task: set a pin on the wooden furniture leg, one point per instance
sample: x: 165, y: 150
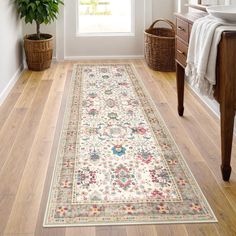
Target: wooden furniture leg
x: 227, y: 105
x: 180, y: 88
x: 227, y: 127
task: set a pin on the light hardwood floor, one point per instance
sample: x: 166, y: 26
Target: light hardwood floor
x: 30, y: 121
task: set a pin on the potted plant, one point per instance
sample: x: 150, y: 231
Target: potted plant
x: 39, y: 46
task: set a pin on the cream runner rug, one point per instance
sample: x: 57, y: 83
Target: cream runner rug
x: 116, y: 161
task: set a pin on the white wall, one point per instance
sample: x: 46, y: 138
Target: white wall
x: 10, y: 47
x: 160, y: 9
x: 179, y: 5
x: 163, y: 9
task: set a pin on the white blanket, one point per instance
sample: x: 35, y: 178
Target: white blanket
x: 202, y: 52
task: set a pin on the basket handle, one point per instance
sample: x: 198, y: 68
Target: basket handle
x: 163, y: 20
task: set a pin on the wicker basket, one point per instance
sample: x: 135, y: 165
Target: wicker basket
x: 38, y: 52
x: 160, y: 47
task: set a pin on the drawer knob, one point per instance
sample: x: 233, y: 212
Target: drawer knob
x: 181, y: 52
x: 181, y: 28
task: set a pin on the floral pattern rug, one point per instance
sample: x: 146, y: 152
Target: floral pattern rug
x: 116, y: 161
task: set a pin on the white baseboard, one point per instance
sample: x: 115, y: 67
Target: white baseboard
x: 118, y: 57
x: 211, y: 104
x: 11, y: 84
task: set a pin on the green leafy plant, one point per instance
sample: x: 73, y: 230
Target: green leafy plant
x: 40, y: 11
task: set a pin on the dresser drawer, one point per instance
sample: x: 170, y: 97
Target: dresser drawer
x: 182, y: 29
x: 181, y: 52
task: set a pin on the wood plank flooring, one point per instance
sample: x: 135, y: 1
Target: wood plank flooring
x: 30, y: 122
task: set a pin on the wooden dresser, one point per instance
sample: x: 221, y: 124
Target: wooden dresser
x: 225, y: 89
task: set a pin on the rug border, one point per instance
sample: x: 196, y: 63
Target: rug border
x: 150, y: 99
x: 58, y: 147
x: 129, y: 224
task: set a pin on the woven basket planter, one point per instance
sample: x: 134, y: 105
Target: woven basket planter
x: 38, y: 52
x: 160, y: 47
